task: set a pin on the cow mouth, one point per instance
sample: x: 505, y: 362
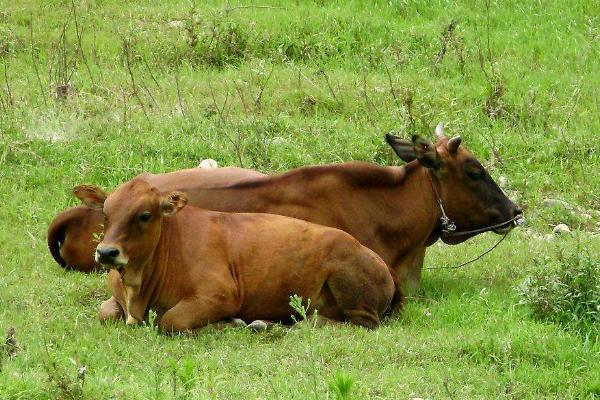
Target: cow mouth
x: 504, y: 229
x: 119, y: 267
x: 111, y: 264
x: 519, y: 220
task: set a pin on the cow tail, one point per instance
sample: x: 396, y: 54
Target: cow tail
x: 56, y: 233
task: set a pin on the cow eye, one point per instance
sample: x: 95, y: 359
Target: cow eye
x: 475, y: 175
x: 145, y: 216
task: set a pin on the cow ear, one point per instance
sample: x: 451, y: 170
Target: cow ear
x: 426, y: 153
x: 171, y: 203
x: 91, y: 196
x: 403, y: 148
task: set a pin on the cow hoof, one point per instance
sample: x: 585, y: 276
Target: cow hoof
x: 258, y: 326
x: 238, y: 323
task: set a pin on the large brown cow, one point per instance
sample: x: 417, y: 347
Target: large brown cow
x: 394, y: 211
x: 192, y: 266
x: 73, y: 234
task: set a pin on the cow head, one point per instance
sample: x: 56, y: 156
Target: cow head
x: 468, y: 193
x: 133, y: 216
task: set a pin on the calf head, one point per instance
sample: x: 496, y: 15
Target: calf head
x: 133, y: 216
x: 469, y: 195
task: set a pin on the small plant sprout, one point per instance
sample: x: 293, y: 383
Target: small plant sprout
x: 150, y: 323
x: 300, y: 309
x: 296, y: 304
x: 341, y: 385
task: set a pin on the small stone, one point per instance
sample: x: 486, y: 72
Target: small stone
x: 278, y: 140
x: 586, y: 216
x: 238, y: 323
x: 208, y: 163
x: 176, y: 23
x: 258, y: 326
x: 556, y: 203
x: 502, y: 181
x: 561, y: 229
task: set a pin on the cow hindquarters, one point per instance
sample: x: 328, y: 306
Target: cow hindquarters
x: 360, y: 290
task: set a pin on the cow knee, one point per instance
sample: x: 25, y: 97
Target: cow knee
x: 110, y: 310
x: 369, y: 320
x: 171, y: 324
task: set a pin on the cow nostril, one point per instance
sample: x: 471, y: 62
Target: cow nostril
x: 111, y: 252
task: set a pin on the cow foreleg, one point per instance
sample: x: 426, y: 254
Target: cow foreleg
x: 111, y: 310
x: 188, y: 315
x: 408, y: 271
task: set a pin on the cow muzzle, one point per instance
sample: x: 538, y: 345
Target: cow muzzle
x: 516, y: 220
x: 110, y: 256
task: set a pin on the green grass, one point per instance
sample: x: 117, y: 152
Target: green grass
x: 334, y: 77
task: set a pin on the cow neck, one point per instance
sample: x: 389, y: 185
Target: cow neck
x: 155, y: 276
x: 417, y: 220
x: 436, y: 216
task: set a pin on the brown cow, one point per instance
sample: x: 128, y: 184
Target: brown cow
x: 73, y: 233
x: 192, y: 266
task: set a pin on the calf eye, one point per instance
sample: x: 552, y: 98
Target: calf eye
x: 145, y: 216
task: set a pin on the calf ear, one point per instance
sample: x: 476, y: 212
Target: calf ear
x: 91, y: 196
x: 426, y: 152
x: 172, y: 203
x: 403, y: 148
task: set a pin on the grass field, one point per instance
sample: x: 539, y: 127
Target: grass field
x: 99, y: 91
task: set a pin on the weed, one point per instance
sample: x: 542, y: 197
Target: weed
x: 183, y: 371
x: 302, y: 311
x: 566, y: 291
x: 69, y: 387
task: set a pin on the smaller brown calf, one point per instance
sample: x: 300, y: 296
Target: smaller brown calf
x: 194, y: 267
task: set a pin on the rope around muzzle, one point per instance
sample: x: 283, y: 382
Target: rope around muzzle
x: 449, y: 229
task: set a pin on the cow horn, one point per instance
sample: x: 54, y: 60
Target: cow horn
x: 439, y: 131
x: 453, y: 144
